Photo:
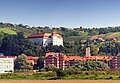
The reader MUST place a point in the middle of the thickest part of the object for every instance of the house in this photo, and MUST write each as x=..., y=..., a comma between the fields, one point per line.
x=32, y=60
x=45, y=39
x=6, y=65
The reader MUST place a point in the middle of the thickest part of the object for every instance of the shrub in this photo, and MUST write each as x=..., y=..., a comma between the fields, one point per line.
x=50, y=67
x=60, y=72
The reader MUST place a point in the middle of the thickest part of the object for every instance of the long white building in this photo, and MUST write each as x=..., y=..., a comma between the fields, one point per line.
x=6, y=65
x=45, y=39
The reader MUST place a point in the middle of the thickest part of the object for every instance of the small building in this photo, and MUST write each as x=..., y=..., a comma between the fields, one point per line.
x=6, y=65
x=32, y=60
x=46, y=39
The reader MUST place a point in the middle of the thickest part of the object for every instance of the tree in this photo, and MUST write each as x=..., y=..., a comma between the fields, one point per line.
x=18, y=44
x=92, y=65
x=50, y=67
x=40, y=63
x=60, y=72
x=22, y=64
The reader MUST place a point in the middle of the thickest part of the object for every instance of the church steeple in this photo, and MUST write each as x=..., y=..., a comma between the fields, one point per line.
x=87, y=49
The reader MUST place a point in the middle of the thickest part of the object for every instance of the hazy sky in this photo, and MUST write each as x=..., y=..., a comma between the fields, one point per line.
x=67, y=13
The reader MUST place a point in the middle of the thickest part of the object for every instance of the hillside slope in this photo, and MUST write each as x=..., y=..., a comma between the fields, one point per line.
x=7, y=30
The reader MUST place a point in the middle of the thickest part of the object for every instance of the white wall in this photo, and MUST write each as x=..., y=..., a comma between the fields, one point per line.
x=6, y=65
x=46, y=41
x=57, y=41
x=38, y=41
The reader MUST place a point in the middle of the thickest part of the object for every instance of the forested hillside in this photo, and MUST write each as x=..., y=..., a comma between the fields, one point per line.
x=103, y=41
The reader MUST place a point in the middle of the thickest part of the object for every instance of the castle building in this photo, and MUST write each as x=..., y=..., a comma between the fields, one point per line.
x=45, y=39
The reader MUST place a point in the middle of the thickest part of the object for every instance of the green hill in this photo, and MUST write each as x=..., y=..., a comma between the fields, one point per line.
x=107, y=36
x=7, y=30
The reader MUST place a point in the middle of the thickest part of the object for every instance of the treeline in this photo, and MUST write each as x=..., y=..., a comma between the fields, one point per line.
x=4, y=25
x=91, y=31
x=17, y=44
x=98, y=31
x=74, y=41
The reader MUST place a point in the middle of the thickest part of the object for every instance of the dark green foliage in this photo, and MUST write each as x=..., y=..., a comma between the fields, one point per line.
x=40, y=63
x=16, y=45
x=72, y=70
x=22, y=64
x=50, y=67
x=92, y=65
x=110, y=48
x=74, y=41
x=60, y=72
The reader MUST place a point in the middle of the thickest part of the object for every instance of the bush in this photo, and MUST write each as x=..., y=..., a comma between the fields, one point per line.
x=60, y=73
x=50, y=67
x=72, y=70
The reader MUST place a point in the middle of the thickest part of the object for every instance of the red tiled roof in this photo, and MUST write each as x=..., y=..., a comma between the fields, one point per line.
x=67, y=58
x=73, y=58
x=32, y=57
x=44, y=35
x=35, y=35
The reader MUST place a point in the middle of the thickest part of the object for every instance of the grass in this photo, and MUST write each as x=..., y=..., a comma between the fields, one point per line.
x=7, y=30
x=84, y=75
x=108, y=35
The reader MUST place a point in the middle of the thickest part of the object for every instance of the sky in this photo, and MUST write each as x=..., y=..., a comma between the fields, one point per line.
x=61, y=13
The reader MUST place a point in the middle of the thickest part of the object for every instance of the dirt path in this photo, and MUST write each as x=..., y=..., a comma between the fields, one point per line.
x=59, y=81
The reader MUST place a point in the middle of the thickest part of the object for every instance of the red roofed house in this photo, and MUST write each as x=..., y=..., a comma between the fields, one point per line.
x=61, y=60
x=55, y=58
x=116, y=61
x=32, y=60
x=45, y=39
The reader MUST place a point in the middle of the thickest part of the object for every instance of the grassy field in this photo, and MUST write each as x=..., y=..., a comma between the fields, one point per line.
x=7, y=30
x=59, y=81
x=81, y=75
x=108, y=35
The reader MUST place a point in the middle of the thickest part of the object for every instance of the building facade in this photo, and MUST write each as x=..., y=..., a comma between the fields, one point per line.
x=46, y=39
x=61, y=60
x=55, y=58
x=116, y=61
x=6, y=65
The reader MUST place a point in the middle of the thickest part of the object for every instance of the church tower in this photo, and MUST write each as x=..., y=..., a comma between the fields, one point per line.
x=88, y=50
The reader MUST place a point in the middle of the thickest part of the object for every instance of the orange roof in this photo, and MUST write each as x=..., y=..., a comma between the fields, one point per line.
x=14, y=57
x=49, y=53
x=74, y=58
x=44, y=35
x=67, y=58
x=35, y=35
x=53, y=53
x=32, y=57
x=30, y=61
